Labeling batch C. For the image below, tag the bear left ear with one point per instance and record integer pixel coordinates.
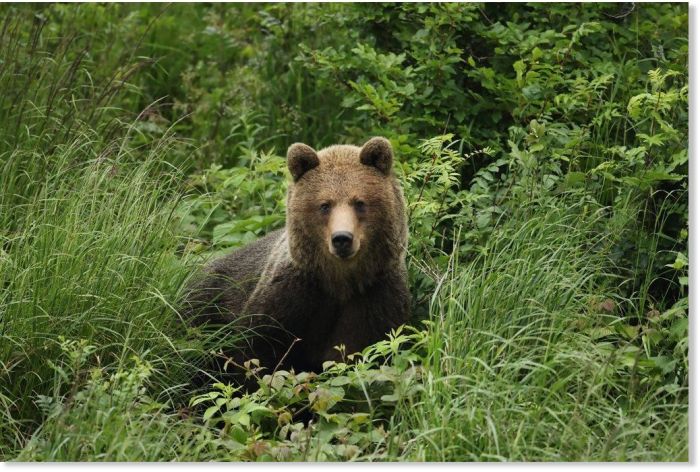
(377, 152)
(301, 159)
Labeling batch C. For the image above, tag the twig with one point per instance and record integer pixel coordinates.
(296, 340)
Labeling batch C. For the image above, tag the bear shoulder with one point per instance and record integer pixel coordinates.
(220, 291)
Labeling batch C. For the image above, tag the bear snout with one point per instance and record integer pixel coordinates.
(343, 233)
(342, 243)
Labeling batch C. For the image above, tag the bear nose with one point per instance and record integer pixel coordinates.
(342, 242)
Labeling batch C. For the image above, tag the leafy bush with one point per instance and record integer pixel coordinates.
(111, 418)
(348, 406)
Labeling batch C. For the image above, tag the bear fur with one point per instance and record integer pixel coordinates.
(334, 275)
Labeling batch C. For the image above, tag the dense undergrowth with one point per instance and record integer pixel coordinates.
(543, 154)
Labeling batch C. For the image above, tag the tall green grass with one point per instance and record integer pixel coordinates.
(516, 367)
(87, 241)
(93, 259)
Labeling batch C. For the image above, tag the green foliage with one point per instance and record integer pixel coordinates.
(232, 207)
(533, 356)
(543, 153)
(112, 418)
(351, 404)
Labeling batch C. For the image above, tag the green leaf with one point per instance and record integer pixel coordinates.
(665, 363)
(681, 262)
(574, 179)
(391, 398)
(323, 399)
(238, 434)
(532, 92)
(519, 67)
(679, 329)
(210, 412)
(340, 381)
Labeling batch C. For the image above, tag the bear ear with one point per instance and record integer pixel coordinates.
(301, 159)
(377, 152)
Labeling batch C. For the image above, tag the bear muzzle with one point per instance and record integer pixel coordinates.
(343, 233)
(342, 242)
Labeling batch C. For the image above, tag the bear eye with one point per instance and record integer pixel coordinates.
(325, 207)
(360, 206)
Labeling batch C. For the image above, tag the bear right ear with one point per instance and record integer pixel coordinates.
(301, 159)
(377, 152)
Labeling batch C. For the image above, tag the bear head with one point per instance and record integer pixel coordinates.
(345, 212)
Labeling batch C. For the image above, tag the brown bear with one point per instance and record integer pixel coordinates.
(335, 275)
